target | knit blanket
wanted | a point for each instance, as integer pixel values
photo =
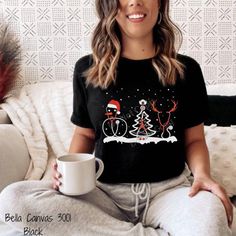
(42, 113)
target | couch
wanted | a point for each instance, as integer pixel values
(16, 156)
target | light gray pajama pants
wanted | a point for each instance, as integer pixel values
(155, 209)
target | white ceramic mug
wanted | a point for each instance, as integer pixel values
(78, 172)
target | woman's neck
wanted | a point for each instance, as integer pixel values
(137, 49)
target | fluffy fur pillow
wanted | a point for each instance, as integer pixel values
(9, 61)
(221, 142)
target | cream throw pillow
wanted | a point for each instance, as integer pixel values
(221, 142)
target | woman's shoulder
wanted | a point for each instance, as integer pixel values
(192, 71)
(187, 60)
(84, 63)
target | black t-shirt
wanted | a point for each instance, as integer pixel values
(139, 124)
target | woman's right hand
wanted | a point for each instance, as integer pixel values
(55, 176)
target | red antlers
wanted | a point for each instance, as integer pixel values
(154, 108)
(164, 125)
(174, 107)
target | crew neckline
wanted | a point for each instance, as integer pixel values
(135, 60)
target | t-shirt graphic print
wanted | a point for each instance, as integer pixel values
(149, 120)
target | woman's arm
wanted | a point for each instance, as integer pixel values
(199, 163)
(196, 151)
(82, 140)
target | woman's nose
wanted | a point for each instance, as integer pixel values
(134, 3)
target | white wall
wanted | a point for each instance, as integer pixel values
(55, 33)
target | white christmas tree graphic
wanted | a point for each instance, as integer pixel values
(142, 126)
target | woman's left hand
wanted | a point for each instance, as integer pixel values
(208, 184)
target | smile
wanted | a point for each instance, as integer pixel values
(136, 17)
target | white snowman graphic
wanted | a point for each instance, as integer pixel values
(114, 126)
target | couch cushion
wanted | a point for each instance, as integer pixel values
(222, 102)
(221, 110)
(4, 119)
(14, 156)
(228, 89)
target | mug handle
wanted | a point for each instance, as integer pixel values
(100, 168)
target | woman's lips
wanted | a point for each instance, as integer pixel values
(136, 17)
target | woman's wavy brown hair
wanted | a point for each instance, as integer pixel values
(106, 46)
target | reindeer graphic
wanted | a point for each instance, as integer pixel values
(164, 125)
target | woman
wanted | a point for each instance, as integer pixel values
(141, 106)
(134, 63)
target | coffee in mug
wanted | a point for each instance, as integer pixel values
(78, 172)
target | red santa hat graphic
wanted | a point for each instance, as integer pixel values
(115, 105)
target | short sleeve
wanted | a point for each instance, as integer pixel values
(195, 96)
(80, 115)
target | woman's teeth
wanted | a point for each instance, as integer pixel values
(136, 16)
